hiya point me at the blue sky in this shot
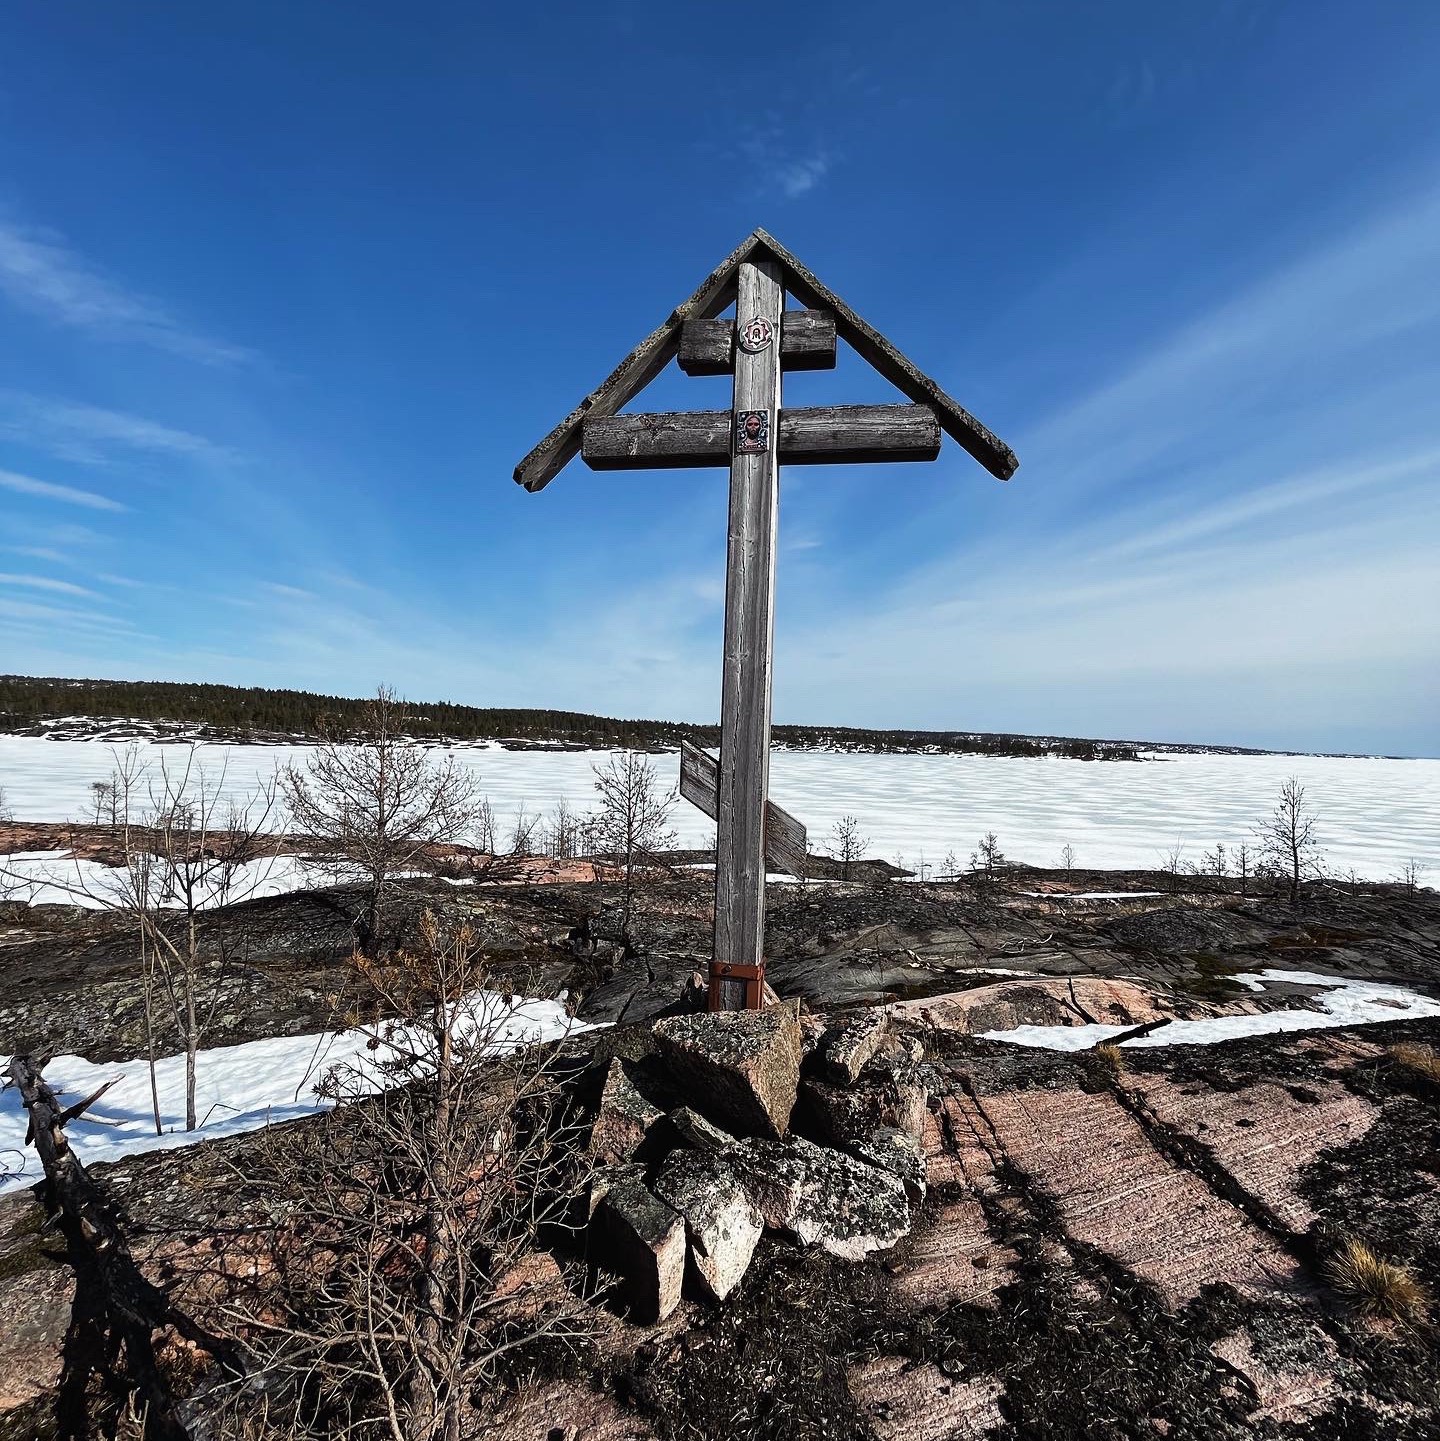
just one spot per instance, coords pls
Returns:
(287, 289)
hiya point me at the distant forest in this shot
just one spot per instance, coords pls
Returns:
(27, 703)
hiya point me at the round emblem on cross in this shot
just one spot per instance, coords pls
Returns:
(755, 335)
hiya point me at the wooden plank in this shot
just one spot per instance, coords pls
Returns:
(902, 373)
(807, 342)
(818, 435)
(785, 839)
(749, 641)
(634, 373)
(653, 353)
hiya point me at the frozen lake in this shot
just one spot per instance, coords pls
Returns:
(1374, 815)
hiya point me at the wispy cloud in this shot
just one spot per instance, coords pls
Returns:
(43, 275)
(47, 490)
(90, 435)
(44, 582)
(777, 161)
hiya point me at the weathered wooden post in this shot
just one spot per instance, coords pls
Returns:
(752, 438)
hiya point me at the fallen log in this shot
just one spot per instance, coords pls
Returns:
(116, 1311)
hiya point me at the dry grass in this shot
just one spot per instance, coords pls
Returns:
(1418, 1060)
(1375, 1286)
(1110, 1056)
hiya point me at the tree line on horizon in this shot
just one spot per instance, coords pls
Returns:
(27, 701)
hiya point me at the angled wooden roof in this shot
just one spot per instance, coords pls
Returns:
(717, 290)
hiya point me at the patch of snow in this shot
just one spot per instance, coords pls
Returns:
(238, 1088)
(1094, 895)
(58, 878)
(1343, 1002)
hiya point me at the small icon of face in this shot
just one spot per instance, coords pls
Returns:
(752, 426)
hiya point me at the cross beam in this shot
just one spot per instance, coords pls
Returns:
(753, 438)
(819, 435)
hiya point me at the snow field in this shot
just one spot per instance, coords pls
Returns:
(1374, 815)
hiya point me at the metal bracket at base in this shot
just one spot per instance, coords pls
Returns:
(724, 975)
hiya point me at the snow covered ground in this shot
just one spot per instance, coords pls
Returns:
(46, 877)
(238, 1088)
(1374, 814)
(1342, 1002)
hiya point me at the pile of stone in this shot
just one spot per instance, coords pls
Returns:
(711, 1129)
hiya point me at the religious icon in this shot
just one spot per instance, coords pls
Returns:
(755, 335)
(752, 432)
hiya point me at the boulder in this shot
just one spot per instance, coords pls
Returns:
(696, 1132)
(846, 1115)
(848, 1045)
(740, 1068)
(723, 1225)
(822, 1197)
(624, 1120)
(898, 1152)
(642, 1240)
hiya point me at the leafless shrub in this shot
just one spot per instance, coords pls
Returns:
(1408, 879)
(563, 832)
(405, 1265)
(188, 850)
(847, 844)
(6, 814)
(1244, 866)
(377, 805)
(1216, 864)
(632, 820)
(1067, 858)
(1375, 1286)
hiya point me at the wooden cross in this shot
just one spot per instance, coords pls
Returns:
(752, 438)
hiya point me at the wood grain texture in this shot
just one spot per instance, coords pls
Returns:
(807, 342)
(785, 840)
(634, 373)
(650, 357)
(901, 372)
(809, 435)
(749, 642)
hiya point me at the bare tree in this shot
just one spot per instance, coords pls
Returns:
(377, 805)
(1287, 838)
(1067, 858)
(563, 832)
(404, 1263)
(6, 814)
(1173, 864)
(847, 844)
(1244, 866)
(188, 850)
(1216, 865)
(987, 857)
(1409, 877)
(632, 820)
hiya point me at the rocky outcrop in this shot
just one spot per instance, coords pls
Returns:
(739, 1068)
(722, 1224)
(822, 1197)
(1037, 1001)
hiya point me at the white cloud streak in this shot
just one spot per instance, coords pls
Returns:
(47, 490)
(41, 274)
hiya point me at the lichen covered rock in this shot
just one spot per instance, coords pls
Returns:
(740, 1068)
(722, 1224)
(822, 1197)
